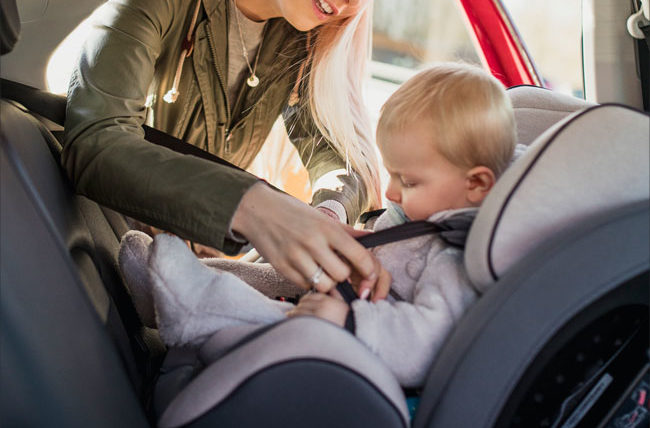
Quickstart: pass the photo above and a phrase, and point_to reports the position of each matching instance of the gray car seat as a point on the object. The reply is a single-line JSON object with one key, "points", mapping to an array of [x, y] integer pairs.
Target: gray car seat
{"points": [[558, 246], [560, 249]]}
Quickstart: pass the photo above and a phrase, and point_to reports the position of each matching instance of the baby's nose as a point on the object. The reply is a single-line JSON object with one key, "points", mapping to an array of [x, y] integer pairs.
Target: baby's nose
{"points": [[393, 196]]}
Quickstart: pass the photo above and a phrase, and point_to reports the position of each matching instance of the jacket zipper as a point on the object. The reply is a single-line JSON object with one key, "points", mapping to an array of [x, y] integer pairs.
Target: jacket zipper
{"points": [[225, 132]]}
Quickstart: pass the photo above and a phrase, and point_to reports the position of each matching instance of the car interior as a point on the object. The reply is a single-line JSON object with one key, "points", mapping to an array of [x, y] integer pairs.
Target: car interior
{"points": [[559, 338]]}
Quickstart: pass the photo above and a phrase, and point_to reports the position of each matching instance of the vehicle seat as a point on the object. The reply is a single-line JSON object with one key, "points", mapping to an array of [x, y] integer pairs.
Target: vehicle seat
{"points": [[537, 109], [66, 354], [73, 352]]}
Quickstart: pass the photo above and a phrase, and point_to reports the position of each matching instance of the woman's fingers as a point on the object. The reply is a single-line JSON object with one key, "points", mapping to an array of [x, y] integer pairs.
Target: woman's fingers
{"points": [[296, 239], [319, 279], [336, 268], [356, 254]]}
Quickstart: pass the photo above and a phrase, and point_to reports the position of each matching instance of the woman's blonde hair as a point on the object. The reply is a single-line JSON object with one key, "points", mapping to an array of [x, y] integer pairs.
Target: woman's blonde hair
{"points": [[341, 52], [467, 111]]}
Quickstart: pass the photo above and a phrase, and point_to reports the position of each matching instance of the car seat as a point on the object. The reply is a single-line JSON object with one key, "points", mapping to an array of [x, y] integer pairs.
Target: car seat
{"points": [[560, 248]]}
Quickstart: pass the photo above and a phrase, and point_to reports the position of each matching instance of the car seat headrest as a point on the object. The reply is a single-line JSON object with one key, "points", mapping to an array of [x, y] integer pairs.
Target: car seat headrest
{"points": [[9, 25], [594, 161], [537, 109]]}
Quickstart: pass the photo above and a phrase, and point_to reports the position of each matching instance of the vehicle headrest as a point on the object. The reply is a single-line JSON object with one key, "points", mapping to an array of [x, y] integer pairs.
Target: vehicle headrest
{"points": [[537, 109], [587, 164], [9, 25]]}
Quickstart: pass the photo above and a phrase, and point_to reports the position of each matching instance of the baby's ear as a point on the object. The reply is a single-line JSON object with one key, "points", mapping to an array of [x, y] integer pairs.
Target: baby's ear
{"points": [[479, 182]]}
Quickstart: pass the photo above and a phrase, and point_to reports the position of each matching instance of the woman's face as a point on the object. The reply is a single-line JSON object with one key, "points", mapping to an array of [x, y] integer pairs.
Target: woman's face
{"points": [[305, 15]]}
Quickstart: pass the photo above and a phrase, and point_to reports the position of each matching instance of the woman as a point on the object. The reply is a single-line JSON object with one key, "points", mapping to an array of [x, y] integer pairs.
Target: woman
{"points": [[217, 73]]}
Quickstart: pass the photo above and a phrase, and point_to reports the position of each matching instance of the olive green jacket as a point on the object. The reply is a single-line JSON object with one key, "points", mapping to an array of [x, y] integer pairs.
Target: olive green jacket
{"points": [[125, 68]]}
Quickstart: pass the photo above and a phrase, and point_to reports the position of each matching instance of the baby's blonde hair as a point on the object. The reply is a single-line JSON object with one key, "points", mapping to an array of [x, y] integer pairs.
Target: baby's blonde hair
{"points": [[466, 110]]}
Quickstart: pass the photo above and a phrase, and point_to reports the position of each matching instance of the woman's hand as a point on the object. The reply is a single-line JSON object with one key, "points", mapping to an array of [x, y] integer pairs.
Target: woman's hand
{"points": [[322, 306], [297, 239]]}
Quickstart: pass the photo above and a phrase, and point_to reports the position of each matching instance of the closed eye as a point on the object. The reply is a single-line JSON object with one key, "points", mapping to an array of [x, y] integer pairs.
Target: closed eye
{"points": [[407, 184]]}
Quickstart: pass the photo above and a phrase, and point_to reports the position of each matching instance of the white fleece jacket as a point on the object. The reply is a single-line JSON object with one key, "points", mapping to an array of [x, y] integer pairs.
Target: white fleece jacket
{"points": [[430, 276], [195, 298]]}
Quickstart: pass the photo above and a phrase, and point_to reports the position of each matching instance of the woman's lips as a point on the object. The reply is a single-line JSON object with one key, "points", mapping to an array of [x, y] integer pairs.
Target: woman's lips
{"points": [[323, 9]]}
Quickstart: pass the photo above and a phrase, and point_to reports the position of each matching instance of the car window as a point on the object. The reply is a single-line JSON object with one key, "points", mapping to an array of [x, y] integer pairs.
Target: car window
{"points": [[409, 35], [406, 37], [551, 31]]}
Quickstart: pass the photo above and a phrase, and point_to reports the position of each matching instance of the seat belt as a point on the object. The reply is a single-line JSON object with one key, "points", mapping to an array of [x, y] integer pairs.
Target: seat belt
{"points": [[52, 107], [638, 26]]}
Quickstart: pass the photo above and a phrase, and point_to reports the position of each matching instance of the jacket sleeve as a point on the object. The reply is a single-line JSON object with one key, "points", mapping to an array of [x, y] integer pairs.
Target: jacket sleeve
{"points": [[105, 154], [407, 336], [328, 176]]}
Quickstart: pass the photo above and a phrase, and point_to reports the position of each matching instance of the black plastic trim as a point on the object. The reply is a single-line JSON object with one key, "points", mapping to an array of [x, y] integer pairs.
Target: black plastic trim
{"points": [[211, 418]]}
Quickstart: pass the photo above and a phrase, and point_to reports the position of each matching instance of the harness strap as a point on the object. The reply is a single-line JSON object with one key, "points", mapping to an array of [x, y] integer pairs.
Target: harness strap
{"points": [[452, 230]]}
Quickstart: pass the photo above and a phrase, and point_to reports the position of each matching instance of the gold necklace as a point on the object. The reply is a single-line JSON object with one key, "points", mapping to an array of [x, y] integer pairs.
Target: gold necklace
{"points": [[252, 80]]}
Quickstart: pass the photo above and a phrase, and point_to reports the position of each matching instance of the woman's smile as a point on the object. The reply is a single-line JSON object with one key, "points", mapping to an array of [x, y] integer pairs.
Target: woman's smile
{"points": [[324, 8]]}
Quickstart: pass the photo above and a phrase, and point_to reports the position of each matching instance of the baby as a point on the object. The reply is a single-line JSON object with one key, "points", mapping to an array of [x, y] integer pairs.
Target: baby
{"points": [[445, 137]]}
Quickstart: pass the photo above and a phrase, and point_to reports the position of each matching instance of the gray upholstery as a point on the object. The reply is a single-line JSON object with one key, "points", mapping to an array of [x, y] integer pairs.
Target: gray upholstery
{"points": [[537, 109], [9, 25], [593, 161], [561, 241], [299, 339], [572, 279], [59, 365]]}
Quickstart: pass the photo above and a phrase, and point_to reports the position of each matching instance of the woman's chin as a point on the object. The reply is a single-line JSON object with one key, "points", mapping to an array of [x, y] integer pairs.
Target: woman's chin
{"points": [[302, 22], [304, 25]]}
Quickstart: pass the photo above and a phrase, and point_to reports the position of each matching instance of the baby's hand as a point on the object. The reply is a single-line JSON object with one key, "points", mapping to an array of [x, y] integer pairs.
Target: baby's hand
{"points": [[379, 292], [322, 306]]}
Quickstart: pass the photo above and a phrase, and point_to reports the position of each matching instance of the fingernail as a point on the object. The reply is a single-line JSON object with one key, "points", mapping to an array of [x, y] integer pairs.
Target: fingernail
{"points": [[364, 294], [372, 276]]}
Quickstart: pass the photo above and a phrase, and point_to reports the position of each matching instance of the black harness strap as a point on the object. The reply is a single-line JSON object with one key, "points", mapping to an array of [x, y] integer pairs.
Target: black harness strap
{"points": [[386, 236], [452, 230], [400, 232]]}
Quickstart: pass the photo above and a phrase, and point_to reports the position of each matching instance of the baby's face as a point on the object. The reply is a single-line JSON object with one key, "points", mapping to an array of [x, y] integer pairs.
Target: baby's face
{"points": [[422, 181]]}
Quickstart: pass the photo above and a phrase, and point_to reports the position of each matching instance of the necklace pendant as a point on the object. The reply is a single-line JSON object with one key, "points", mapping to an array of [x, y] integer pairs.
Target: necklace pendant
{"points": [[253, 81]]}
